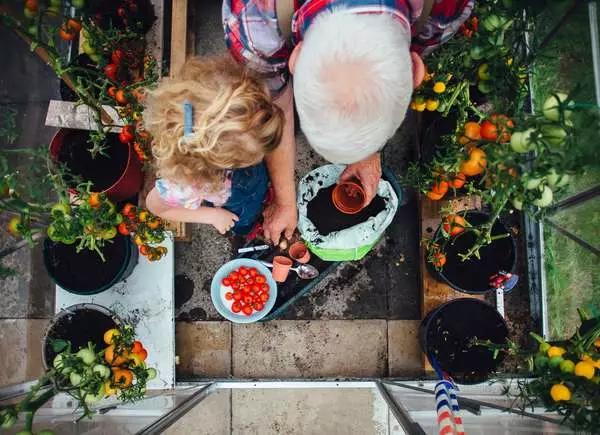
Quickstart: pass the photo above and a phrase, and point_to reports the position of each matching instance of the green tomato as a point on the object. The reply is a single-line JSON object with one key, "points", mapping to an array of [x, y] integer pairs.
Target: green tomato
{"points": [[492, 22], [75, 378], [87, 355], [543, 348], [567, 366], [61, 209], [91, 398], [102, 370], [45, 432], [151, 372], [96, 58], [551, 110], [533, 183], [118, 219], [555, 362], [79, 4], [483, 72], [56, 3], [29, 13], [58, 364], [517, 203], [87, 49], [541, 361], [32, 31], [563, 180], [53, 11], [109, 233], [484, 87], [554, 134], [51, 232], [467, 61], [545, 198], [69, 239], [521, 141]]}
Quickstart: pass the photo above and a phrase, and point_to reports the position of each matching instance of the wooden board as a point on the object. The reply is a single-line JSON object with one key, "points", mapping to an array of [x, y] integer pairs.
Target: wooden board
{"points": [[434, 292]]}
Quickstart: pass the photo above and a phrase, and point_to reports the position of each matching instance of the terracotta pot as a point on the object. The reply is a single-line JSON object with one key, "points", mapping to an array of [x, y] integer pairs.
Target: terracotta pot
{"points": [[299, 252], [349, 197], [124, 184], [281, 268]]}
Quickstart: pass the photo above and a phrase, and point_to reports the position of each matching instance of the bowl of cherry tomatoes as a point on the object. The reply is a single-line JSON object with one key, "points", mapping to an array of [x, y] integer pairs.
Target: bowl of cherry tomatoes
{"points": [[243, 290]]}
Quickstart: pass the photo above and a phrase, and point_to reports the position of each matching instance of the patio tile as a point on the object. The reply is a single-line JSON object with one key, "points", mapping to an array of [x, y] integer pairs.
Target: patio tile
{"points": [[404, 352], [212, 416], [308, 411], [204, 349], [21, 344], [293, 349]]}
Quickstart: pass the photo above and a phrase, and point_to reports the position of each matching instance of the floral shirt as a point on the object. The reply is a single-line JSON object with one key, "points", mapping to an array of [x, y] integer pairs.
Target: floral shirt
{"points": [[253, 36], [192, 197]]}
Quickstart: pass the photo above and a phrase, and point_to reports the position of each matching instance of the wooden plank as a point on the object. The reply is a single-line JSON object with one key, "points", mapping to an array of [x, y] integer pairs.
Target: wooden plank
{"points": [[179, 37], [434, 292], [69, 114]]}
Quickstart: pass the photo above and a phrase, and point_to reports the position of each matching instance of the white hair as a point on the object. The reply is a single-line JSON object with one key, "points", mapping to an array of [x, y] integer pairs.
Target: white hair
{"points": [[352, 83]]}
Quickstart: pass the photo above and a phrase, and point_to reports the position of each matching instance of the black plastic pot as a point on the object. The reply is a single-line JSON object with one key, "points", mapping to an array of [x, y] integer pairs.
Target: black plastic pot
{"points": [[473, 276], [84, 272], [79, 324], [447, 332]]}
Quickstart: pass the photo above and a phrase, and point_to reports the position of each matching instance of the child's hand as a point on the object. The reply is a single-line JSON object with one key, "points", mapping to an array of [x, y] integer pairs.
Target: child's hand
{"points": [[223, 220]]}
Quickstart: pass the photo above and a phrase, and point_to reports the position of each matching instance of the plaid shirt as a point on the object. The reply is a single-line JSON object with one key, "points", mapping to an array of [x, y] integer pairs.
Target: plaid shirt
{"points": [[253, 37]]}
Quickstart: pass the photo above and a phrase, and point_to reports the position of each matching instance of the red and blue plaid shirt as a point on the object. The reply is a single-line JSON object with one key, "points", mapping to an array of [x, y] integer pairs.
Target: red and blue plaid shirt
{"points": [[253, 36]]}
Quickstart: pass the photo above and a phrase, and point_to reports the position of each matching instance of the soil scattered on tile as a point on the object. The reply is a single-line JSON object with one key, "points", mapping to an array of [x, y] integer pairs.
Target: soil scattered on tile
{"points": [[184, 289], [328, 219]]}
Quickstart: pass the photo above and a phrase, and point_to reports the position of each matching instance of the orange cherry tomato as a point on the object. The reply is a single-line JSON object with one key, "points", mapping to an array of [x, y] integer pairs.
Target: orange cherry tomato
{"points": [[458, 181], [472, 130], [454, 225], [438, 259], [122, 378], [476, 163], [137, 346], [94, 200]]}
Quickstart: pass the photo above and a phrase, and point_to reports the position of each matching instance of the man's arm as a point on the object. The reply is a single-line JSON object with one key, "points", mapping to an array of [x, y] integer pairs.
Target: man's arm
{"points": [[282, 216]]}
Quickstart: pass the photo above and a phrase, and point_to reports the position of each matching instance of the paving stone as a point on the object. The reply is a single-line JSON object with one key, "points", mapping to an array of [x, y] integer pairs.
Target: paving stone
{"points": [[21, 344], [204, 349], [292, 349], [404, 352], [212, 416], [308, 411]]}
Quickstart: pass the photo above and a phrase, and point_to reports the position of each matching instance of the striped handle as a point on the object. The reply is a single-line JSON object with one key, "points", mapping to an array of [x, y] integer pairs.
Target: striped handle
{"points": [[449, 420]]}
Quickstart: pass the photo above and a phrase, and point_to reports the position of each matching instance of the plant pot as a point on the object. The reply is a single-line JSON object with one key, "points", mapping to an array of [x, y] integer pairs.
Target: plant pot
{"points": [[348, 197], [299, 252], [84, 272], [281, 268], [79, 324], [446, 333], [118, 175], [473, 276]]}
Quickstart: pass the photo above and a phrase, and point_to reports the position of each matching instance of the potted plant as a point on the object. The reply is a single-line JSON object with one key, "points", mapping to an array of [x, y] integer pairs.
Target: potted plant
{"points": [[447, 337], [564, 377], [115, 367]]}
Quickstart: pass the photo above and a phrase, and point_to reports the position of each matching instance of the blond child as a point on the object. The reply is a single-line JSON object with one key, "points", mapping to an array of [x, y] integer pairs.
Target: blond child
{"points": [[211, 170]]}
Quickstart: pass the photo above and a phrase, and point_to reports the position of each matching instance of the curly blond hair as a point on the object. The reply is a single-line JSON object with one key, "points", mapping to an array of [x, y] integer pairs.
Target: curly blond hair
{"points": [[235, 121]]}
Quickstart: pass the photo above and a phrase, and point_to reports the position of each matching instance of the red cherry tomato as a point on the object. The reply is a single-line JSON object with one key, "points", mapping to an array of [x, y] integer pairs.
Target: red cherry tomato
{"points": [[250, 281], [258, 306], [229, 296], [235, 285], [234, 276], [247, 310], [260, 279], [237, 296], [264, 297], [253, 272], [248, 299], [242, 270], [226, 282], [255, 288], [236, 307], [264, 287]]}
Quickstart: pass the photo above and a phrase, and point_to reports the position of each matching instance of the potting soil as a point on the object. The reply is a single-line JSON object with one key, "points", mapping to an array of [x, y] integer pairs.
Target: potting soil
{"points": [[85, 271], [102, 171], [451, 333], [82, 326], [328, 219], [474, 274]]}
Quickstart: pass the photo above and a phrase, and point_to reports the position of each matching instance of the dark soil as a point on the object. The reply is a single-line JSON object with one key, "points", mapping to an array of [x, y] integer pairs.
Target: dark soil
{"points": [[474, 274], [102, 171], [84, 271], [328, 219], [80, 327], [449, 334]]}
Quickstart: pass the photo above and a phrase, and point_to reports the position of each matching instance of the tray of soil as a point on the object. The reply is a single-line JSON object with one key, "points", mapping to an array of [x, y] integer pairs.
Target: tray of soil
{"points": [[118, 173], [84, 61], [293, 288], [84, 272], [79, 324], [447, 334], [473, 276]]}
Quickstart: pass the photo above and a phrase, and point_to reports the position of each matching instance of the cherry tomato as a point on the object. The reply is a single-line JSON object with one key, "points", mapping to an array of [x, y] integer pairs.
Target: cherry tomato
{"points": [[121, 12], [260, 279], [248, 299], [247, 310], [116, 56], [242, 270], [264, 287], [236, 307], [121, 97], [110, 71], [229, 296], [112, 91], [250, 281], [233, 276], [237, 296], [226, 282], [253, 272], [235, 285], [259, 306], [122, 228], [264, 297], [127, 134]]}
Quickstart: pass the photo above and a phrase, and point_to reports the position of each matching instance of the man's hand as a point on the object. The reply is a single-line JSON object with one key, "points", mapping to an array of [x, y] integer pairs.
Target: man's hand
{"points": [[368, 172], [280, 219]]}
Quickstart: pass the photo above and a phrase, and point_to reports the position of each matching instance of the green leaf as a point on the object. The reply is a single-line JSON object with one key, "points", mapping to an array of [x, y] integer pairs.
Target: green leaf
{"points": [[58, 345]]}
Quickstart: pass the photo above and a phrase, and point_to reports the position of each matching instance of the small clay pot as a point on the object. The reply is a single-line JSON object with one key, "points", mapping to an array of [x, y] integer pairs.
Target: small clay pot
{"points": [[299, 252], [281, 268], [348, 197]]}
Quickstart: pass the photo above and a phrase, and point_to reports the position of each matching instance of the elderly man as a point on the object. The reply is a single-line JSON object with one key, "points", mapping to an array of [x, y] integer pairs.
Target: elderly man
{"points": [[355, 64]]}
